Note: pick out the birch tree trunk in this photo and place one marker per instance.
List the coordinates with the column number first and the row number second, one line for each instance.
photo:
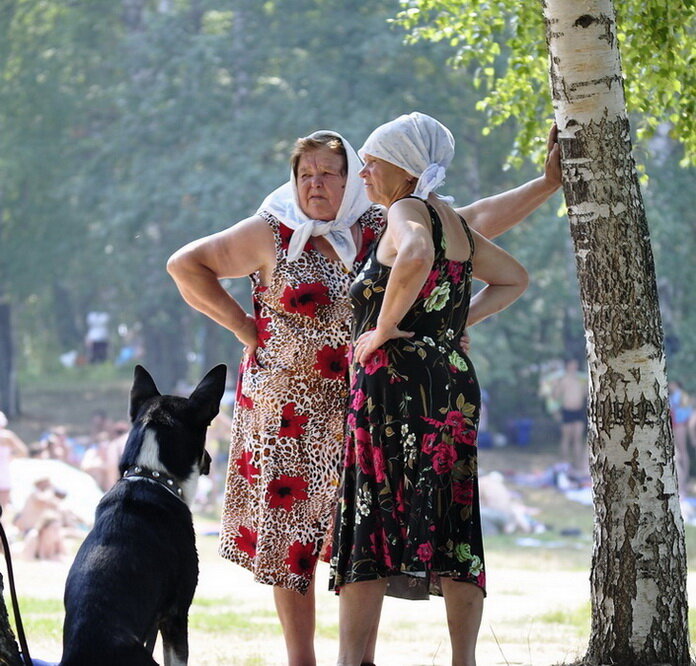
column 638, row 578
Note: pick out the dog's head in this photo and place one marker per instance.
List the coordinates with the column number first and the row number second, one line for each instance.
column 168, row 433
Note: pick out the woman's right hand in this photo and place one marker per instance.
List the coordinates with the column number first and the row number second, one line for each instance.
column 247, row 334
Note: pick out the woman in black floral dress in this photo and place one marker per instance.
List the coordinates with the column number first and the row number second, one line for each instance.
column 408, row 520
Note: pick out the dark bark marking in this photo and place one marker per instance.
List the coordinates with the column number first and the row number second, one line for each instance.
column 584, row 21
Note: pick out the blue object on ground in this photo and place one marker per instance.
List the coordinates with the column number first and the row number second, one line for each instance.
column 485, row 440
column 521, row 431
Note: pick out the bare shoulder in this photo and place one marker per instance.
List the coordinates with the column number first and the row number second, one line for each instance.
column 410, row 209
column 239, row 250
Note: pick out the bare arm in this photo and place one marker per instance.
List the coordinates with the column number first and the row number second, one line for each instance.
column 505, row 278
column 198, row 267
column 19, row 448
column 494, row 215
column 409, row 232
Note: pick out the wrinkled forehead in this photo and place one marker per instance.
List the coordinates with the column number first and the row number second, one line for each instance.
column 321, row 158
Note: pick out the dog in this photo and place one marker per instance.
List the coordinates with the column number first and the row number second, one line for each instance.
column 136, row 571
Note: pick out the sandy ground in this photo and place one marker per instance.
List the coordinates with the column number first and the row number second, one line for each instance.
column 411, row 633
column 515, row 628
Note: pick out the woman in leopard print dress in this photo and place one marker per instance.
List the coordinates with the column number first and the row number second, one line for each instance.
column 287, row 430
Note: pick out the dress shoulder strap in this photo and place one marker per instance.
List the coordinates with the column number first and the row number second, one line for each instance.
column 469, row 235
column 438, row 236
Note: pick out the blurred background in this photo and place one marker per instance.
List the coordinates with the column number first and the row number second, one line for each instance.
column 130, row 127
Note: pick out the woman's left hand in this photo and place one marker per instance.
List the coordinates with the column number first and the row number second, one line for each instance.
column 368, row 343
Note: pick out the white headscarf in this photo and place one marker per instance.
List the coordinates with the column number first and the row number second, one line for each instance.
column 284, row 203
column 418, row 144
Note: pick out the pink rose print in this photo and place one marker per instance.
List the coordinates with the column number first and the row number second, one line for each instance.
column 428, row 442
column 430, row 284
column 444, row 458
column 377, row 360
column 454, row 270
column 463, row 492
column 358, row 400
column 425, row 552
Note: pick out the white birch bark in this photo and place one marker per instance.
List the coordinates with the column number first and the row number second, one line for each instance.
column 638, row 578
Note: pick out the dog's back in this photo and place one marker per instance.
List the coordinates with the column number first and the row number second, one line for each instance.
column 137, row 570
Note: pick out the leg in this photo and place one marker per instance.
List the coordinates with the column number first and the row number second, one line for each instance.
column 359, row 608
column 681, row 452
column 369, row 654
column 296, row 613
column 565, row 443
column 464, row 604
column 174, row 632
column 580, row 454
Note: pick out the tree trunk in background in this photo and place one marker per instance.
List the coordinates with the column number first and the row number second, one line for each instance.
column 9, row 652
column 8, row 381
column 165, row 352
column 638, row 578
column 67, row 332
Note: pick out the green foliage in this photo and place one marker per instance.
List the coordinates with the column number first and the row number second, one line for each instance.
column 503, row 43
column 125, row 135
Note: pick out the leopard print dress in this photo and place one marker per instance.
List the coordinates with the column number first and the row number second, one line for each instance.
column 289, row 418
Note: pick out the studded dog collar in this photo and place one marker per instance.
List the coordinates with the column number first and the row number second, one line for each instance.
column 165, row 480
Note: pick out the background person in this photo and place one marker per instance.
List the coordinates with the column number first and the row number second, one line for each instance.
column 287, row 432
column 10, row 445
column 570, row 390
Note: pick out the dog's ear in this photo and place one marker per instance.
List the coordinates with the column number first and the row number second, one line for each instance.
column 142, row 390
column 205, row 462
column 207, row 395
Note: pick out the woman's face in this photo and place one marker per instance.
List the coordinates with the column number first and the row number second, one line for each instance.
column 321, row 181
column 385, row 182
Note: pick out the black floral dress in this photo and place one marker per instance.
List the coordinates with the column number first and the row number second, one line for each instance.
column 409, row 501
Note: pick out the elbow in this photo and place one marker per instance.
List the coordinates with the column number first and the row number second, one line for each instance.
column 175, row 264
column 522, row 279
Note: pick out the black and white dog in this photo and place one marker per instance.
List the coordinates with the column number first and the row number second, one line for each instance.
column 137, row 570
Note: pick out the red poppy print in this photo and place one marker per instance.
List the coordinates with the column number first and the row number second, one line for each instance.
column 291, row 424
column 301, row 558
column 245, row 466
column 240, row 399
column 284, row 491
column 305, row 298
column 285, row 236
column 368, row 236
column 332, row 362
column 246, row 541
column 378, row 359
column 262, row 332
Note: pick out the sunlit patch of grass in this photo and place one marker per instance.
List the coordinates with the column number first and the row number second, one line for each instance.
column 257, row 624
column 579, row 618
column 329, row 631
column 40, row 617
